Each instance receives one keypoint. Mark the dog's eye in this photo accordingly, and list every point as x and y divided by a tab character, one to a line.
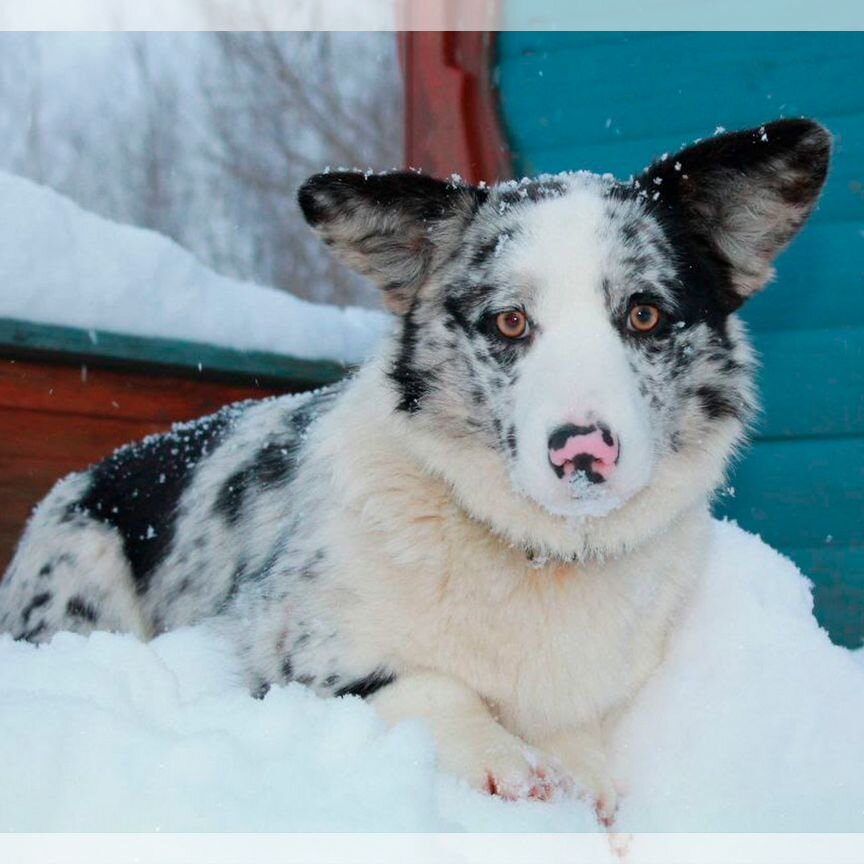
512	324
644	318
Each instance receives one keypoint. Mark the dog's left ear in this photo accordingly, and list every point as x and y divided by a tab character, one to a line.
394	228
743	196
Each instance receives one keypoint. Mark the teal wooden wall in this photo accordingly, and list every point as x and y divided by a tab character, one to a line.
611	102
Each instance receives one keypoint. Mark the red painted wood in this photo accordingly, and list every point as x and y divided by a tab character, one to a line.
160	398
452	123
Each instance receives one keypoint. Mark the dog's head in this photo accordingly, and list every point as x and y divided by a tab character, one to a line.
573	336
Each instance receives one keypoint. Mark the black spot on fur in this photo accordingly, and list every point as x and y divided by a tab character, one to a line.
308	572
237	579
287	669
305	680
271	466
78	607
260	690
33	632
488	249
630	230
331	680
229	501
301	417
365	687
138	488
512	442
717	404
412	384
37	602
45	570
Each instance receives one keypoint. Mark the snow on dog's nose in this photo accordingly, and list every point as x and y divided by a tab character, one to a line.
591	451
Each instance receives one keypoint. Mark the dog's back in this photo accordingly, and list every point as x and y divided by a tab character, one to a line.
163	532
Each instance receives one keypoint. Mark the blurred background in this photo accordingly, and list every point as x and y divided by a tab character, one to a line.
205	137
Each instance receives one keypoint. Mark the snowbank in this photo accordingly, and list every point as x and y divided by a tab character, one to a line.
753	724
60	264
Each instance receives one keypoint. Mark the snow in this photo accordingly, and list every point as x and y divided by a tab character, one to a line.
752	724
97	275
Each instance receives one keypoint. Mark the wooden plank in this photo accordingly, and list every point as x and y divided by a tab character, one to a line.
23	483
812	383
37	448
25	338
799	493
78	439
97	391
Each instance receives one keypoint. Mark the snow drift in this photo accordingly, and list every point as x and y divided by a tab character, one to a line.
94	274
752	724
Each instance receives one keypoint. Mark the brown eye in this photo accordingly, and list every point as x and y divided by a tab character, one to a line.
644	318
512	324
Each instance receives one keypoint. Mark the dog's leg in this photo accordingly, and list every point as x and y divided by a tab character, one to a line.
582	753
69	572
471	744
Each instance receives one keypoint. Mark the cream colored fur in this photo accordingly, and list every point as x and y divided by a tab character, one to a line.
515	667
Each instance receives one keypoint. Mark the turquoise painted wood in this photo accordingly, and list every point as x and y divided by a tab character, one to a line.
27	337
613	101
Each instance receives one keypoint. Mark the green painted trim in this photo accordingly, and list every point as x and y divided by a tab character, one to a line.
158	354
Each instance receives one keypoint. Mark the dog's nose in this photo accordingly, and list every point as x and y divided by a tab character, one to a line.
592	451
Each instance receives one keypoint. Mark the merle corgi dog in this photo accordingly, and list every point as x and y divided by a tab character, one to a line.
494	523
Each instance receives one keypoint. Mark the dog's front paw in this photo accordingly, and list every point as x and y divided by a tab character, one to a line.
532	783
581	755
501	764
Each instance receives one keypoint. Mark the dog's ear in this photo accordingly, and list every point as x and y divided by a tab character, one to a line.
394	228
743	196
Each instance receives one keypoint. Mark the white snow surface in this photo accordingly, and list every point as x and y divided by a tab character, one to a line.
753	723
97	275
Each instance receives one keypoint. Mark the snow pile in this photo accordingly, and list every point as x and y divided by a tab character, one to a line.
753	724
62	265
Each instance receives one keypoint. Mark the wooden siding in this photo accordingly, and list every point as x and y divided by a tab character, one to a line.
610	102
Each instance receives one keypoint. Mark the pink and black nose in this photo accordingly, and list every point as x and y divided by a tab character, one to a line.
591	451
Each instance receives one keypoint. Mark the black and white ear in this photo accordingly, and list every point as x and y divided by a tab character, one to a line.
744	195
394	228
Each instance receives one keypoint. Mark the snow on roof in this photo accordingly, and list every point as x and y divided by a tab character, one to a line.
752	723
62	265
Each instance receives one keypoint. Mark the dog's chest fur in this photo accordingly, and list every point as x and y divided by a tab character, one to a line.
414	581
548	646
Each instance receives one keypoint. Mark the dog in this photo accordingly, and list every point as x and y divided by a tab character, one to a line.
493	525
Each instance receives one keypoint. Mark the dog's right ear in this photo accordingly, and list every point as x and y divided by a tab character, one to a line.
394	228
